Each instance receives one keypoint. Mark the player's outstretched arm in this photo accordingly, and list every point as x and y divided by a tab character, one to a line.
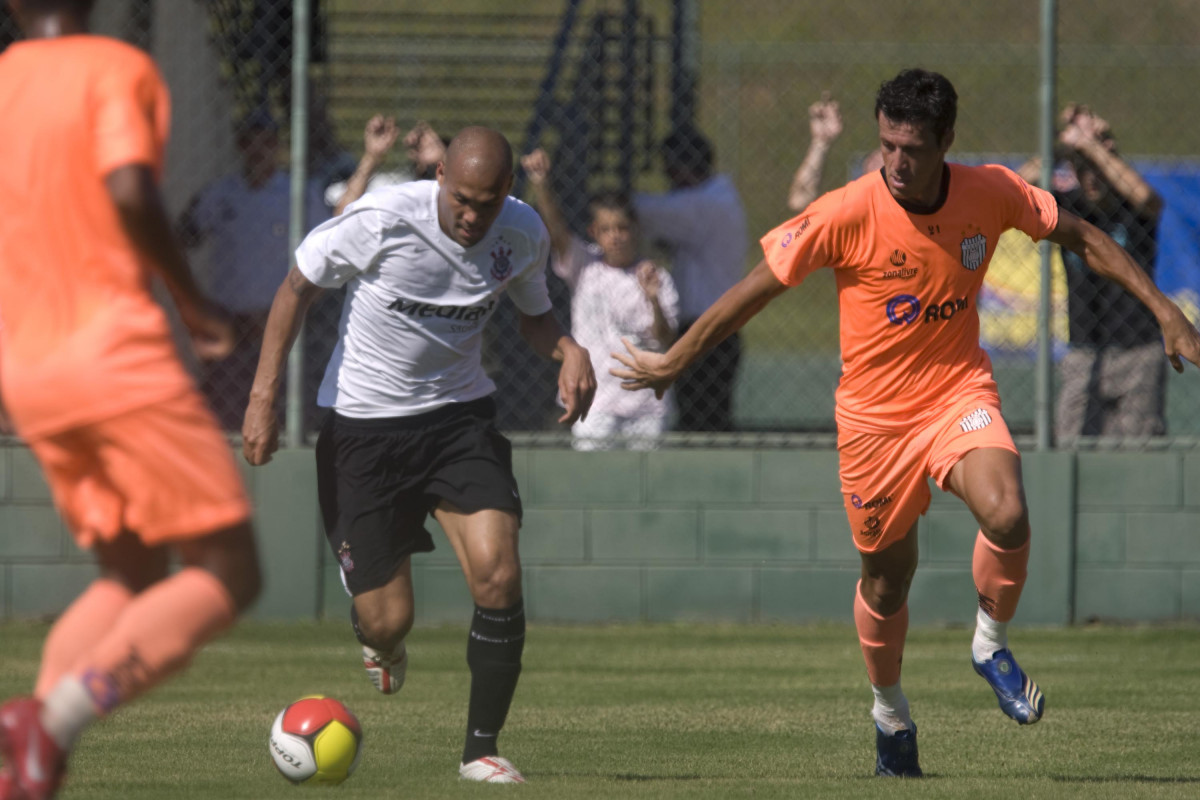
260	429
576	379
642	369
139	205
1105	257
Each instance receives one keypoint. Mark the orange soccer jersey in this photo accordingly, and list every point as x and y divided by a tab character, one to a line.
908	285
81	338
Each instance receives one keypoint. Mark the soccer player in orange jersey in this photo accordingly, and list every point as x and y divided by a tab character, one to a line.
909	246
90	378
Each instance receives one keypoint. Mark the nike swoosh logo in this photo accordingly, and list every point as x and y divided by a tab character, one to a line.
482	734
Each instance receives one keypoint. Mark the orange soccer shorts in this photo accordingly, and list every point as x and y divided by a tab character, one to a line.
883	476
164	472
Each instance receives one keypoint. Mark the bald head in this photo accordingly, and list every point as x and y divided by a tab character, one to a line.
482	153
475	176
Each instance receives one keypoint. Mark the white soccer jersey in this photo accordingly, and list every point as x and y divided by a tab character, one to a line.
410	334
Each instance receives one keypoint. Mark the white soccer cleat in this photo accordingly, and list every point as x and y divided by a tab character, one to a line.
491	769
386	673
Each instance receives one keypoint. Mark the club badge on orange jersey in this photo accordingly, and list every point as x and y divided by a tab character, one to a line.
974	251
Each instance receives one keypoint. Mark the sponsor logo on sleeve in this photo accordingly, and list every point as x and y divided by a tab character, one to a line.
790	236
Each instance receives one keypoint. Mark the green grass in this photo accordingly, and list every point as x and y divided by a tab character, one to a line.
662	711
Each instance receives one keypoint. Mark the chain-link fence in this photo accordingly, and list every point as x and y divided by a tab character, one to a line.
600	84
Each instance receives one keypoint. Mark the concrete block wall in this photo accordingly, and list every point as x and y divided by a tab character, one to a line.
702	534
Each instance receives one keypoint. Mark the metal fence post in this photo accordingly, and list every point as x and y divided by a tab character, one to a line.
299	177
1043	421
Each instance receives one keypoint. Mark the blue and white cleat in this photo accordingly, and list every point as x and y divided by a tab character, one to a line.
1020	698
896	755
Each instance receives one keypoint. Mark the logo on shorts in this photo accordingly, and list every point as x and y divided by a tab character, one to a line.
976	420
872	527
501	261
344	557
974	251
878	502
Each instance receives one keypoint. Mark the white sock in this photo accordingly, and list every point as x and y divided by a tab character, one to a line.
990	636
891	709
66	711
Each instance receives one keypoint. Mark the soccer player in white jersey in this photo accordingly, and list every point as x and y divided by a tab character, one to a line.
412	427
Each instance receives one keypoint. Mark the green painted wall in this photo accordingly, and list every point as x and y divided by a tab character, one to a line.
735	535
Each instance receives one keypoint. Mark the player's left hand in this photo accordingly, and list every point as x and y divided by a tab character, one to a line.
576	383
644	369
1180	338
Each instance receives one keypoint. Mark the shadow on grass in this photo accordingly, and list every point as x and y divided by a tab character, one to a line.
1121	779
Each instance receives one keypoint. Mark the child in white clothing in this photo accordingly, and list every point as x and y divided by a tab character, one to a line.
614	294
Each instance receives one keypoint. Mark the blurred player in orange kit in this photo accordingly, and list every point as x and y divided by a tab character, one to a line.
90	378
909	246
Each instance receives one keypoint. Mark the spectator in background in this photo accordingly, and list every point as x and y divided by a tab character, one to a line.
423	147
615	294
825	126
379	137
1113	377
702	222
242	219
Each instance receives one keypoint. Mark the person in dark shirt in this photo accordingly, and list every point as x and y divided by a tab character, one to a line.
1113	377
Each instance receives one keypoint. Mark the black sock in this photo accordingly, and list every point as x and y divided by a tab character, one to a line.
494	656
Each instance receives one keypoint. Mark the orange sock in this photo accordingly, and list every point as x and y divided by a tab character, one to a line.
882	640
155	637
81	626
999	577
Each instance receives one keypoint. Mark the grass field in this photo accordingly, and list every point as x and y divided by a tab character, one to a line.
664	712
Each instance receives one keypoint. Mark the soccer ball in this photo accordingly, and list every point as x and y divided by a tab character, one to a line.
316	740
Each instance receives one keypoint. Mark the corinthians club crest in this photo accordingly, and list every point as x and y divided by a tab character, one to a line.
501	260
344	557
974	250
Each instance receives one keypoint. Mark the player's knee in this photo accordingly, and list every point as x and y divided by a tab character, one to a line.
1005	520
497	587
383	627
232	556
886	594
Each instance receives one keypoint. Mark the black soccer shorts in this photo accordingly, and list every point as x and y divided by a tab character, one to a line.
378	479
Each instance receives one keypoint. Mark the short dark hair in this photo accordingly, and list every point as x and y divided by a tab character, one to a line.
688	149
916	96
612	200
